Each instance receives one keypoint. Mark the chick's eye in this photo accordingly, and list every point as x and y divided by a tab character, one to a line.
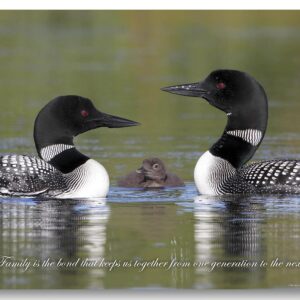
155	166
220	85
84	113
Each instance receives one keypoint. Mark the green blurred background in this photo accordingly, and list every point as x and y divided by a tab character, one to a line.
121	59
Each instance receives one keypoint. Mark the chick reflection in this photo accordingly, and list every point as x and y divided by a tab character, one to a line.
41	229
227	228
144	232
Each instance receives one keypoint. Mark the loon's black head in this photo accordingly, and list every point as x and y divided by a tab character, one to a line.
245	103
229	90
153	168
65	117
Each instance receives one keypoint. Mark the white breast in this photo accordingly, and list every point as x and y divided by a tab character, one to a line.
211	172
90	180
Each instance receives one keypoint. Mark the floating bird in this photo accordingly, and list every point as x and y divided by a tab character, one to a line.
222	170
152	174
61	171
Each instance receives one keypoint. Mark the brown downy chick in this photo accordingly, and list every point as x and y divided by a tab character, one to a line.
151	174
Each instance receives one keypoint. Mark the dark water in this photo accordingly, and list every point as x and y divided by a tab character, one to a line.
120	60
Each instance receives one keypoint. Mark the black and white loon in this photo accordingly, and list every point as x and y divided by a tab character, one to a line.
61	171
221	170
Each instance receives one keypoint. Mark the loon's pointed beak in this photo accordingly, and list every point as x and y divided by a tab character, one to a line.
188	89
110	121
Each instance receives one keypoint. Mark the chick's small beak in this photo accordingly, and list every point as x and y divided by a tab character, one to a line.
140	170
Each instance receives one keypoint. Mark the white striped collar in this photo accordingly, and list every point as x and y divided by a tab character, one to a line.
50	152
252	136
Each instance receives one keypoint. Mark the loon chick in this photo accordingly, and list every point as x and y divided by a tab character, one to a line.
152	174
61	171
221	169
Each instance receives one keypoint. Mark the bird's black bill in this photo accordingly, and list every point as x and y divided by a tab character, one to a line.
101	119
111	121
188	89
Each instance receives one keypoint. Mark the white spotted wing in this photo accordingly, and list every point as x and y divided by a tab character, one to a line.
282	176
22	175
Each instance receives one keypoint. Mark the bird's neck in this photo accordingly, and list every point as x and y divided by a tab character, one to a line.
64	157
60	152
55	145
242	135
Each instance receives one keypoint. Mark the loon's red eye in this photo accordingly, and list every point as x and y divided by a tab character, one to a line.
220	85
84	113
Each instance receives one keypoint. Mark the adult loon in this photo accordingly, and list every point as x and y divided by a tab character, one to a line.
61	171
221	170
152	174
